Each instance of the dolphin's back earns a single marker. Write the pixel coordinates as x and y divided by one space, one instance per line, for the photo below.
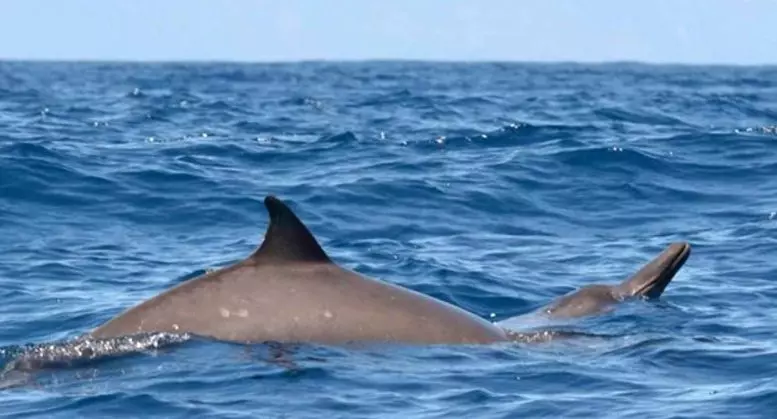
307 303
289 290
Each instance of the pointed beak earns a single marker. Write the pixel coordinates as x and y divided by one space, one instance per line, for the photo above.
652 279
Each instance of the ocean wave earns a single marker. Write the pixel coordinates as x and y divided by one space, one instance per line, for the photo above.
494 186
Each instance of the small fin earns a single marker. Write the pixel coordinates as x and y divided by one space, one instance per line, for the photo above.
287 239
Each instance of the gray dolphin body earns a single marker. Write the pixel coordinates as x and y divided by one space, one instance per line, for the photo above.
289 290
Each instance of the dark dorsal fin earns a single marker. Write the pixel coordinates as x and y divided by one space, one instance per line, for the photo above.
287 239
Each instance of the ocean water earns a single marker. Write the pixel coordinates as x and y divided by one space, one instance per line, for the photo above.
494 186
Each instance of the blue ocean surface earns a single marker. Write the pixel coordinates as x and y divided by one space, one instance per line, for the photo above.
496 187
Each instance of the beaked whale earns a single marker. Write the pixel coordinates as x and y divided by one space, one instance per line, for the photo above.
289 290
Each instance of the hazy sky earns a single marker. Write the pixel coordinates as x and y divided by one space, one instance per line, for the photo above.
687 31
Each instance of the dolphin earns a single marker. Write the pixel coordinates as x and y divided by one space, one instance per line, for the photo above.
648 283
289 290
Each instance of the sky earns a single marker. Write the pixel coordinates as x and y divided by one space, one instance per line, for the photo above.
660 31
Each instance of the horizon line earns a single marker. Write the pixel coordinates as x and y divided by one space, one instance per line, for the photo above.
73 60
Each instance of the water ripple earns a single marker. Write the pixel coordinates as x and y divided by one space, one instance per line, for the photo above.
494 186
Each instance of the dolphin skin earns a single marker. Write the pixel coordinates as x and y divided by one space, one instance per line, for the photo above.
289 290
649 283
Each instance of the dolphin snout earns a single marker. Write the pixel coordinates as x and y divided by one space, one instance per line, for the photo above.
652 279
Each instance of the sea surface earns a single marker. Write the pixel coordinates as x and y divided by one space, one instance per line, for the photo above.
493 186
